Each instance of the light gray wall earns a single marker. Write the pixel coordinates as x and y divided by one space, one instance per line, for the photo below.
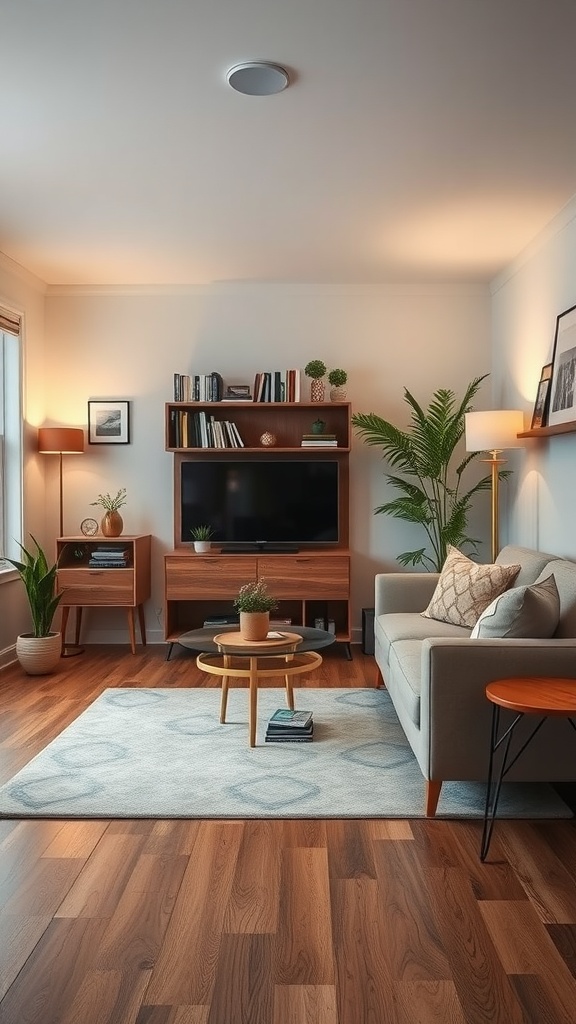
526 301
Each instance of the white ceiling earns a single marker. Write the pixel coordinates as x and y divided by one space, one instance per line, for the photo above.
418 139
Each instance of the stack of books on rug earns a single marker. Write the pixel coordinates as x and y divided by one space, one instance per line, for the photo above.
109 556
287 726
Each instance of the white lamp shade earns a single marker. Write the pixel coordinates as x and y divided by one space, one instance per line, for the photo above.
494 430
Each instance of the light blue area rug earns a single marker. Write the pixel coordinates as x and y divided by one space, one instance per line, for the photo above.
146 753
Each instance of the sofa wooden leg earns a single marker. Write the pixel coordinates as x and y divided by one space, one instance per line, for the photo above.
432 797
379 679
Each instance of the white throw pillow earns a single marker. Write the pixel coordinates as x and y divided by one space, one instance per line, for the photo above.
465 589
529 612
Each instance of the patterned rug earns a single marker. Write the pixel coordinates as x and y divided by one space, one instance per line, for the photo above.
147 753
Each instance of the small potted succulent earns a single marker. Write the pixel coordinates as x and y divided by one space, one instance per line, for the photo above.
38 651
112 523
254 604
337 379
316 370
201 535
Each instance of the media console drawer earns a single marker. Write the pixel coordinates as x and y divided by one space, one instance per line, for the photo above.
305 575
189 577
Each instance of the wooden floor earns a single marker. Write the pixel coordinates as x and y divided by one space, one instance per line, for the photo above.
269 922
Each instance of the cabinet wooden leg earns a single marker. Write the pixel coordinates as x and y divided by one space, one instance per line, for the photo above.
132 629
142 622
65 614
79 611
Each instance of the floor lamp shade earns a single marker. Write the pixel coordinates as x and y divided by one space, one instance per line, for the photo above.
60 441
493 431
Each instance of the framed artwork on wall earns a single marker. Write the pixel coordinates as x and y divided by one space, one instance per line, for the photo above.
562 404
109 422
540 414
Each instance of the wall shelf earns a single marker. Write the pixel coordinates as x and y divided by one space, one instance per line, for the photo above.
556 428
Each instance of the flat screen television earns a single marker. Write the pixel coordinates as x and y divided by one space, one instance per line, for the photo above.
261 503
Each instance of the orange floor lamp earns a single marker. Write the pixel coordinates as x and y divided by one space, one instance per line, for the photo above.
60 441
494 431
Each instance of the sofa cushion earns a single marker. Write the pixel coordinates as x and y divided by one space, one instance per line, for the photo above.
406 675
530 612
394 626
565 575
465 589
531 563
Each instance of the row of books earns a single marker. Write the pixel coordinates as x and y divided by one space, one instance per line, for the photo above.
319 441
287 726
277 386
109 556
201 387
199 430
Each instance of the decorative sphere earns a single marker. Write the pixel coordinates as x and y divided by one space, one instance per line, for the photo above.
268 439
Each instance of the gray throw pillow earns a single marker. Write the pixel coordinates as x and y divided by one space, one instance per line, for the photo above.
530 612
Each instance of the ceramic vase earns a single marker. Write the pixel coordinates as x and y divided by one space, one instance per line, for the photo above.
201 546
254 626
317 391
112 524
338 394
38 655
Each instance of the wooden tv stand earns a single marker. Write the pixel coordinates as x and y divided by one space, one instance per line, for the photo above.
309 585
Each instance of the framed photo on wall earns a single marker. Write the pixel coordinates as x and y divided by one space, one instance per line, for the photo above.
562 407
540 414
109 422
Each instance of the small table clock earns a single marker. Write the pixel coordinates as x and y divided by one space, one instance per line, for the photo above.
89 527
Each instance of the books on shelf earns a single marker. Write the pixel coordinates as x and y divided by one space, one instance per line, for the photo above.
190 429
200 387
319 441
277 386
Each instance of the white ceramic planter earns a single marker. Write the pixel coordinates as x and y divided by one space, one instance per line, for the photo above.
202 545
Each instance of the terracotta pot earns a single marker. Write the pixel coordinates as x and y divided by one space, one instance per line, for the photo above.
254 626
38 655
112 524
317 391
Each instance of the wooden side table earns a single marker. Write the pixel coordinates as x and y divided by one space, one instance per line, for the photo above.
544 697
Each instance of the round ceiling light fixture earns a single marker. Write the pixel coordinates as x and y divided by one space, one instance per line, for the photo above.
258 78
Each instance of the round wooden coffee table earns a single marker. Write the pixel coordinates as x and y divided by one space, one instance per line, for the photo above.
544 697
228 656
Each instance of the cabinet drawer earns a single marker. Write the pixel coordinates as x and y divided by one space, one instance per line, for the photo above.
306 576
96 586
207 576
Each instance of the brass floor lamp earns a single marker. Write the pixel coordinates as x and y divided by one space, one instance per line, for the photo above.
494 431
62 441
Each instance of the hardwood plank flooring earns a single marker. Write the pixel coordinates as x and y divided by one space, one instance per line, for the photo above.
269 922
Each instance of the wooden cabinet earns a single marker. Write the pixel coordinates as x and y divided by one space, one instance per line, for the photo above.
83 585
308 586
313 583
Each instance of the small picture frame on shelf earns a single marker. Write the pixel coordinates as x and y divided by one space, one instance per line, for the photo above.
542 398
562 400
109 422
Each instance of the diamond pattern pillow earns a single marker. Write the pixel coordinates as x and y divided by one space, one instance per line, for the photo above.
531 612
465 589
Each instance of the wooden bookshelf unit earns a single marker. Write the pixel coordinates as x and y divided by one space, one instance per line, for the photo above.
313 582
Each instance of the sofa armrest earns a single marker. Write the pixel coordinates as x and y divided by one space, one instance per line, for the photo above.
454 711
403 591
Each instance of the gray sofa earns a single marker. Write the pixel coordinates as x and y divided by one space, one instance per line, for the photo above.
437 675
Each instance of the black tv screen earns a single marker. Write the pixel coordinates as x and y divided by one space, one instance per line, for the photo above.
261 502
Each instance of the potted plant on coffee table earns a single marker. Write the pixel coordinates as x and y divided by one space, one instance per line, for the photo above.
254 604
201 536
39 650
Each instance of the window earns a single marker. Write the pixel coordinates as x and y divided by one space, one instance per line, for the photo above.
10 437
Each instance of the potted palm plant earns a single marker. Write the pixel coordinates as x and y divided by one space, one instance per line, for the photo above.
430 490
201 536
254 604
39 650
